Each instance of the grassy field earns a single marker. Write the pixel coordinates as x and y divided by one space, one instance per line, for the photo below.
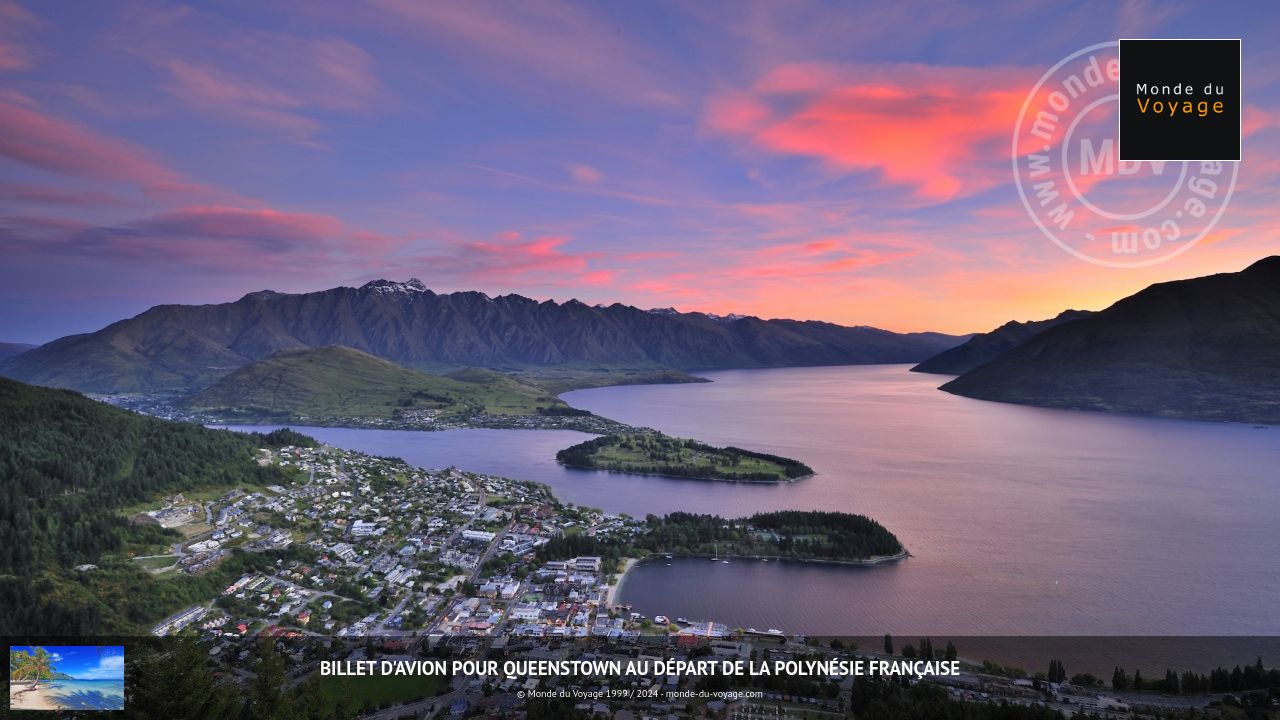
377 690
656 454
157 562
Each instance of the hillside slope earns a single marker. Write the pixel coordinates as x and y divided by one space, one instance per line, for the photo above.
343 382
67 465
985 347
8 350
1206 348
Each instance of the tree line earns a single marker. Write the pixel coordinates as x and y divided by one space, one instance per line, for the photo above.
802 535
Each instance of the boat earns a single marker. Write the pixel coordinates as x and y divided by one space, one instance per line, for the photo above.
774 631
726 562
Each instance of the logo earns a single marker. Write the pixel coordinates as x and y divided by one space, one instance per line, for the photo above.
1089 202
1180 100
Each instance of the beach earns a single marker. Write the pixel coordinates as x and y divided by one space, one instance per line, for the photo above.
612 591
21 697
67 695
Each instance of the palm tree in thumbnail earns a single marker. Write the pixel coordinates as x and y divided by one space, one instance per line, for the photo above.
35 665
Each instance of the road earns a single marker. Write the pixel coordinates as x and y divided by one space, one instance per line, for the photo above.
488 552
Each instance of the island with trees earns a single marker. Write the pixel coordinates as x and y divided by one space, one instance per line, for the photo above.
650 453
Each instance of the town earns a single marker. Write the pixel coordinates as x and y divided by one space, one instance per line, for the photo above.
369 557
373 546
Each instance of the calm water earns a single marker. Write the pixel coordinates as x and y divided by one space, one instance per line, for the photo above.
1022 521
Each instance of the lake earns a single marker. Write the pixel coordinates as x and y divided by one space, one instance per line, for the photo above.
1021 521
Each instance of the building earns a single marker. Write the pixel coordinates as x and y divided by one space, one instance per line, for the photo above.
176 622
360 529
478 536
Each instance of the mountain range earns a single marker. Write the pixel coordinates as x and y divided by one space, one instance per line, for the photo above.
985 347
188 347
1206 348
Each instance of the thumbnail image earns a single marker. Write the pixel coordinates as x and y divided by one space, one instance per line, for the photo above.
66 677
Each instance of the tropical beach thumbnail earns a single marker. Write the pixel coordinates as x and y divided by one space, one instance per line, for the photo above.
66 677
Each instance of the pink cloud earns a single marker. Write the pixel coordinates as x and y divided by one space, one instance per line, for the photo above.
16 24
33 194
41 141
231 239
598 277
233 222
513 261
941 131
585 174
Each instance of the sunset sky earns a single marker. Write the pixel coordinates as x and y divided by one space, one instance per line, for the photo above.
783 159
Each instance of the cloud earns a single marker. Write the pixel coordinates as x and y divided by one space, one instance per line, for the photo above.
44 142
941 132
110 667
585 174
250 241
510 260
25 194
535 46
16 24
275 81
261 224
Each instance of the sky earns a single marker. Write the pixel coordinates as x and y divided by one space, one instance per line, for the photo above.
85 662
836 161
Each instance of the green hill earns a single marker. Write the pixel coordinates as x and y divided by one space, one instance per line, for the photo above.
340 382
68 465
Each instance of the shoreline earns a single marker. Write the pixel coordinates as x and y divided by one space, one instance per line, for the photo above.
861 562
22 698
590 424
612 591
780 481
631 564
68 694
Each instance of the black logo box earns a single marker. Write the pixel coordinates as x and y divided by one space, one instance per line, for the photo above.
1181 65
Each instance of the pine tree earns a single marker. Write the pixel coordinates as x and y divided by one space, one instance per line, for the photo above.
265 699
1119 679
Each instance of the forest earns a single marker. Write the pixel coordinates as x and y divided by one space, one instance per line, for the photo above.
793 534
68 465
